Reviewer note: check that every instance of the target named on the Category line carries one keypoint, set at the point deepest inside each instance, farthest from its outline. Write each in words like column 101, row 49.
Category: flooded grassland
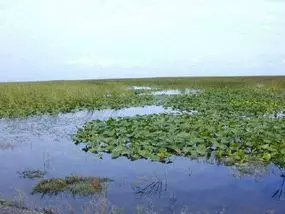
column 169, row 145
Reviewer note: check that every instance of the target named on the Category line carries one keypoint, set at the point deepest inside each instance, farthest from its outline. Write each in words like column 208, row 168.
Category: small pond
column 184, row 186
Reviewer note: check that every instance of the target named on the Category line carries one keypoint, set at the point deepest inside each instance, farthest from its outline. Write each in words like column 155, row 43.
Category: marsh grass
column 207, row 82
column 76, row 185
column 22, row 99
column 34, row 98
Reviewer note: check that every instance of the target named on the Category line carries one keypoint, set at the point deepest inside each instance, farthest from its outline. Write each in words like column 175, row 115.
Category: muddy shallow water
column 45, row 143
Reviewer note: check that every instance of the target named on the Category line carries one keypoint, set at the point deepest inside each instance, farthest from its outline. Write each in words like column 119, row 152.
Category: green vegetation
column 234, row 121
column 32, row 174
column 24, row 99
column 232, row 101
column 76, row 185
column 158, row 137
column 238, row 121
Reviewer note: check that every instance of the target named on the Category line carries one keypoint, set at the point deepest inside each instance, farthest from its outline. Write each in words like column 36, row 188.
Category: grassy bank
column 24, row 99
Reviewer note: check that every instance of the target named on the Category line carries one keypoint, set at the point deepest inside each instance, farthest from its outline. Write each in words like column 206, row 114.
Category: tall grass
column 23, row 99
column 208, row 82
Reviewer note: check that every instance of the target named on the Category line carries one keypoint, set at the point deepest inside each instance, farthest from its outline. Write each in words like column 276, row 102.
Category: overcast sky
column 79, row 39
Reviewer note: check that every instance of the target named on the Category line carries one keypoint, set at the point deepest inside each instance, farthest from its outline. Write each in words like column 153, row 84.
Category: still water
column 184, row 186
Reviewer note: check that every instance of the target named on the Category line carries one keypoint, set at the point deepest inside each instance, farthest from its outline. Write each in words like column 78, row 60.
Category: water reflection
column 280, row 192
column 152, row 189
column 156, row 92
column 7, row 145
column 176, row 92
column 62, row 127
column 141, row 88
column 254, row 170
column 32, row 174
column 191, row 186
column 151, row 186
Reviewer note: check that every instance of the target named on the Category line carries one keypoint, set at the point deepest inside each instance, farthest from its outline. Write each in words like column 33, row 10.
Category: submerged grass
column 33, row 98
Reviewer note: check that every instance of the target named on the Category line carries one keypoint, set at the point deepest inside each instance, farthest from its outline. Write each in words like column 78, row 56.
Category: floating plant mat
column 232, row 140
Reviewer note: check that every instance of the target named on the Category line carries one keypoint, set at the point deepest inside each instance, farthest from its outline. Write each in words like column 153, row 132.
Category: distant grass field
column 34, row 98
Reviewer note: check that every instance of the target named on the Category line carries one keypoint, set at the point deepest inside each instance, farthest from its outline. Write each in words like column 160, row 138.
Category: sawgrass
column 34, row 98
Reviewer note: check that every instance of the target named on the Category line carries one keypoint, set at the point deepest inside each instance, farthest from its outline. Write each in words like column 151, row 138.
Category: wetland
column 160, row 145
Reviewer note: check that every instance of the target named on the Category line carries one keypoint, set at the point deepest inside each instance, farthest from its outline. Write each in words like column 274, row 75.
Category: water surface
column 196, row 186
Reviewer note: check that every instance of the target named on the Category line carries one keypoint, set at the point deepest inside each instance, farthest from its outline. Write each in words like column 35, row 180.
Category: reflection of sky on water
column 46, row 144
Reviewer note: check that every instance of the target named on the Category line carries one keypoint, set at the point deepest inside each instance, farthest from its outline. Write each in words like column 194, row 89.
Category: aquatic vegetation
column 242, row 101
column 76, row 185
column 13, row 207
column 32, row 174
column 24, row 99
column 158, row 137
column 237, row 122
column 231, row 124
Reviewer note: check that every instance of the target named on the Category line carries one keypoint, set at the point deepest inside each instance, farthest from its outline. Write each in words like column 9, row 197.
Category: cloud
column 149, row 34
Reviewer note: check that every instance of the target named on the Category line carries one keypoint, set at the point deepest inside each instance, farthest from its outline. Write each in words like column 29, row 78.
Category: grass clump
column 76, row 185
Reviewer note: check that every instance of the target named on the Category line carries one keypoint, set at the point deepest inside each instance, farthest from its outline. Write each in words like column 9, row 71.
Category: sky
column 90, row 39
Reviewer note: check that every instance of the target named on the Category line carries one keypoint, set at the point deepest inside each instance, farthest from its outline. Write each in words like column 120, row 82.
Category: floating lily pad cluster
column 232, row 125
column 230, row 139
